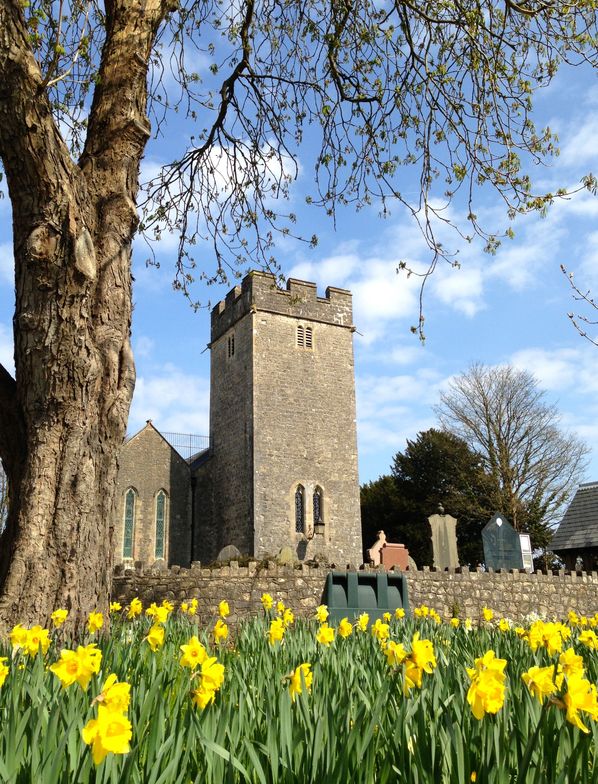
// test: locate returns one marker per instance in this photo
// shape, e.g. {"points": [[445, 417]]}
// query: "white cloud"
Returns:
{"points": [[580, 147], [143, 346], [174, 400], [462, 288], [7, 263]]}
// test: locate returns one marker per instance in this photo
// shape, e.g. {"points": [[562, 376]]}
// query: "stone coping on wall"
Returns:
{"points": [[514, 594], [274, 569]]}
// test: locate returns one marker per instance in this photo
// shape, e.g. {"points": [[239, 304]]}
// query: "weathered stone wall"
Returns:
{"points": [[148, 464], [510, 594], [304, 419], [223, 515]]}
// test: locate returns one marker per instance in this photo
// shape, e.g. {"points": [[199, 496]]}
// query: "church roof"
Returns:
{"points": [[579, 527]]}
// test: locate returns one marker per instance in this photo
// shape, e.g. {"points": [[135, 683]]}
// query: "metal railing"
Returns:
{"points": [[186, 444]]}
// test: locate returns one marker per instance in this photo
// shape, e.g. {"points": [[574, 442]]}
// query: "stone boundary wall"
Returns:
{"points": [[511, 594]]}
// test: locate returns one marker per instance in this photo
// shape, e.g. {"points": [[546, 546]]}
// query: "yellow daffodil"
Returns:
{"points": [[202, 697], [302, 676], [192, 607], [95, 621], [422, 654], [387, 617], [155, 637], [570, 663], [395, 653], [37, 639], [488, 614], [276, 632], [111, 732], [581, 696], [504, 625], [212, 674], [184, 607], [168, 606], [194, 653], [220, 631], [4, 670], [223, 609], [158, 613], [573, 618], [540, 682], [467, 625], [399, 613], [322, 613], [589, 639], [454, 622], [381, 631], [486, 693], [363, 621], [115, 607], [77, 666], [135, 608], [288, 618], [345, 628], [547, 635], [325, 635], [267, 601], [18, 637], [280, 607], [58, 617], [115, 695]]}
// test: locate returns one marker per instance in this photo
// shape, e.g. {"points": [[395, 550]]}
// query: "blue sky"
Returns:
{"points": [[508, 308]]}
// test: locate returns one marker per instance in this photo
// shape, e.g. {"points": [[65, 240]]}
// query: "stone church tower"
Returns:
{"points": [[283, 465], [281, 468]]}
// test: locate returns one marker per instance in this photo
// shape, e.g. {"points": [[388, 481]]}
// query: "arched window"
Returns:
{"points": [[317, 504], [129, 526], [160, 524], [300, 509]]}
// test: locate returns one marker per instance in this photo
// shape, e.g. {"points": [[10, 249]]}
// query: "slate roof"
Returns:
{"points": [[579, 527]]}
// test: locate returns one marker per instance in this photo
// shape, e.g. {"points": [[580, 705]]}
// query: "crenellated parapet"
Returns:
{"points": [[259, 293]]}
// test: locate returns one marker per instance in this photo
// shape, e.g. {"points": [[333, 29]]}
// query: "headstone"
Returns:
{"points": [[444, 541], [286, 556], [228, 553], [526, 552], [502, 546], [395, 555]]}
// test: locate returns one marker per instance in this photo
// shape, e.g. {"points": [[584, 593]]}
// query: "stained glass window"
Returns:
{"points": [[299, 510], [129, 523], [317, 499], [160, 523]]}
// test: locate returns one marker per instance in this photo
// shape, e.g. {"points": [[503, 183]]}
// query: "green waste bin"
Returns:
{"points": [[348, 594]]}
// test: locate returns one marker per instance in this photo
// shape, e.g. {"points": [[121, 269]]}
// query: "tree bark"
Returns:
{"points": [[63, 418]]}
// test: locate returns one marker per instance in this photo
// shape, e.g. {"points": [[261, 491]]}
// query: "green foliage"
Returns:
{"points": [[356, 724], [436, 468]]}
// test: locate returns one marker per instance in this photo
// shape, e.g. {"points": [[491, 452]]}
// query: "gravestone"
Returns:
{"points": [[444, 540], [228, 553], [502, 546]]}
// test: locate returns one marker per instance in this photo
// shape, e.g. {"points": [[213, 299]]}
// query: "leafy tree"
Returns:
{"points": [[443, 88], [534, 466], [436, 468]]}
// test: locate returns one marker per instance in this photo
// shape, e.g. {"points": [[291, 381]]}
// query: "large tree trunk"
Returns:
{"points": [[63, 419]]}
